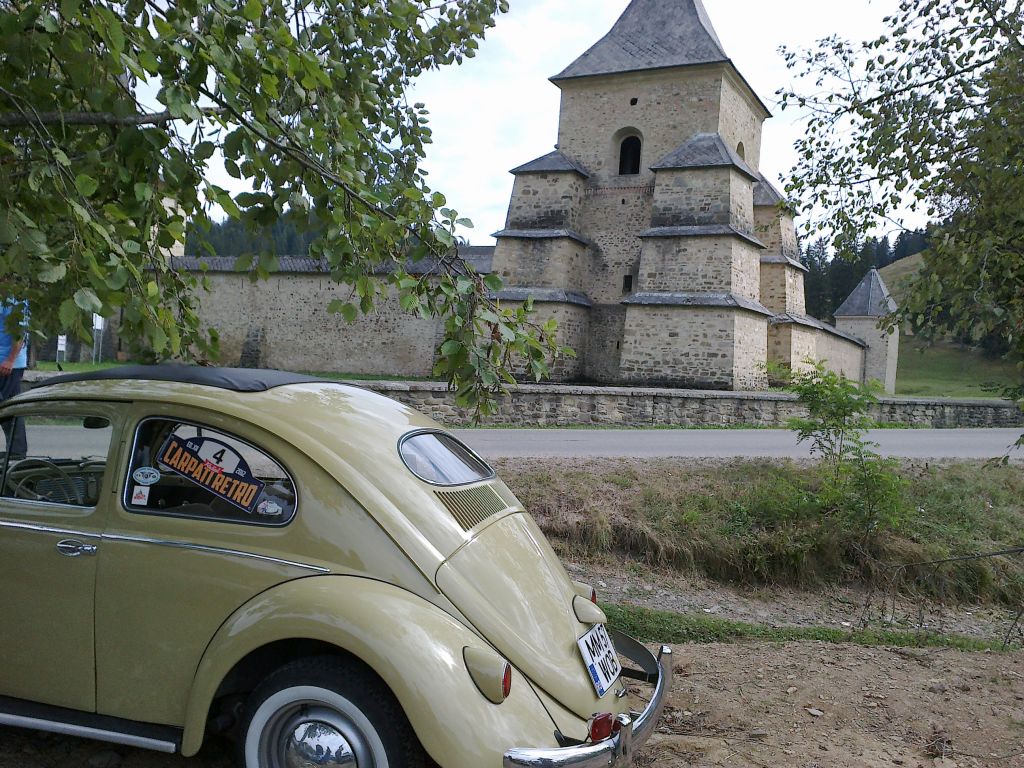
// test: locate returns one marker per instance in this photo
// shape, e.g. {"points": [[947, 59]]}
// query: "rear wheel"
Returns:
{"points": [[325, 711]]}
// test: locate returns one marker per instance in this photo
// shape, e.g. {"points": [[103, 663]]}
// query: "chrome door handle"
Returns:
{"points": [[74, 548]]}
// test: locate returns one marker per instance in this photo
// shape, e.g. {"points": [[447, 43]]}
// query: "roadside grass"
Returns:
{"points": [[764, 523], [652, 626], [947, 369]]}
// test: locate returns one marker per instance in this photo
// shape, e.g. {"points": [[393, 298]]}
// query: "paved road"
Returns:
{"points": [[778, 443], [639, 443]]}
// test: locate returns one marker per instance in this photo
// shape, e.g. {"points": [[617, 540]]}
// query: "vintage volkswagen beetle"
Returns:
{"points": [[315, 568]]}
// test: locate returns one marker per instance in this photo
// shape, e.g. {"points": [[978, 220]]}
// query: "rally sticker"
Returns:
{"points": [[215, 466], [146, 475], [140, 496]]}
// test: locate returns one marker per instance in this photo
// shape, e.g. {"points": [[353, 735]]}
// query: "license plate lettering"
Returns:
{"points": [[600, 658]]}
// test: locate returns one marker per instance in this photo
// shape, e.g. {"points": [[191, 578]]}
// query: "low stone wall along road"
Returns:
{"points": [[729, 443]]}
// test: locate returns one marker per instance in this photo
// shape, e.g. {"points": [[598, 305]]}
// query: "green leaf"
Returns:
{"points": [[253, 10], [493, 282], [53, 273], [87, 300], [86, 185], [68, 314]]}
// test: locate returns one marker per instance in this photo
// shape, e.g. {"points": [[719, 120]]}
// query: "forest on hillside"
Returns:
{"points": [[830, 278]]}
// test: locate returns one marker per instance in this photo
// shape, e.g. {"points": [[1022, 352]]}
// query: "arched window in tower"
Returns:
{"points": [[741, 151], [629, 156]]}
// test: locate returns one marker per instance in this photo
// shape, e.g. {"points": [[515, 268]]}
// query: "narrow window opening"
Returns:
{"points": [[629, 156], [627, 284], [741, 151], [633, 101]]}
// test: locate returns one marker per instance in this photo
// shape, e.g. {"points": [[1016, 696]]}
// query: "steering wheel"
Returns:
{"points": [[19, 475]]}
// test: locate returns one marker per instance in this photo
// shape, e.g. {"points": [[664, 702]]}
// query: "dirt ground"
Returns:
{"points": [[759, 704], [752, 705]]}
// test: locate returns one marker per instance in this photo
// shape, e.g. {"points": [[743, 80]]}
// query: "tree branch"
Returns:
{"points": [[20, 120]]}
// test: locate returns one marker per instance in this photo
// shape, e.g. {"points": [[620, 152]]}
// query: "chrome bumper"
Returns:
{"points": [[633, 732]]}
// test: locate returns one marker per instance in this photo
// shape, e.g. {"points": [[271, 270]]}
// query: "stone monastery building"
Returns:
{"points": [[649, 233]]}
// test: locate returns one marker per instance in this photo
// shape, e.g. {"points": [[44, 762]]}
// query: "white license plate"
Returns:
{"points": [[599, 656]]}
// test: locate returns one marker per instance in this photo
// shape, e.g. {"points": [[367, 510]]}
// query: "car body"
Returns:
{"points": [[319, 569]]}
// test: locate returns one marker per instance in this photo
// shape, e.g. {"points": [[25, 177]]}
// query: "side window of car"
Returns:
{"points": [[57, 458], [189, 470]]}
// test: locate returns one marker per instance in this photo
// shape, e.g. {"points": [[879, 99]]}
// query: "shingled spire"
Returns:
{"points": [[651, 34]]}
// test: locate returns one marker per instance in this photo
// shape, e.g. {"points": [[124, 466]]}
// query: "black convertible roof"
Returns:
{"points": [[234, 379]]}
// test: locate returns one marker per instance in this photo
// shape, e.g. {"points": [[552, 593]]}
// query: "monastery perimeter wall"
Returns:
{"points": [[531, 405]]}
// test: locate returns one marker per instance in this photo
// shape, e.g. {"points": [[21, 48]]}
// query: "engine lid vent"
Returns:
{"points": [[471, 506]]}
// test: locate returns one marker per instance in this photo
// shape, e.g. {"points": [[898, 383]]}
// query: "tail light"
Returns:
{"points": [[491, 674], [603, 726], [593, 596]]}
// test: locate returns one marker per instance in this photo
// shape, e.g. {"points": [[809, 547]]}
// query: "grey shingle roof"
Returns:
{"points": [[697, 300], [651, 34], [704, 150], [869, 299], [553, 162], [702, 230], [813, 322], [477, 256], [765, 192], [779, 258], [554, 295], [541, 234]]}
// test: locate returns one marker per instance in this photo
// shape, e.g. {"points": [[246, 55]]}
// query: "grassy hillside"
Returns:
{"points": [[945, 369], [898, 274]]}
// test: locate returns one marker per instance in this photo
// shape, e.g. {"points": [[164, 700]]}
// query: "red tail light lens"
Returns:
{"points": [[593, 595], [506, 681], [602, 726]]}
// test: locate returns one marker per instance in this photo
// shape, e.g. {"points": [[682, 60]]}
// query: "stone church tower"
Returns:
{"points": [[649, 232]]}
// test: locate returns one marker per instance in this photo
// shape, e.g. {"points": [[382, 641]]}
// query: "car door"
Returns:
{"points": [[203, 507], [53, 507]]}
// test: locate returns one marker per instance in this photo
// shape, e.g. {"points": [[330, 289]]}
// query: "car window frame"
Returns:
{"points": [[126, 475], [435, 431], [106, 409]]}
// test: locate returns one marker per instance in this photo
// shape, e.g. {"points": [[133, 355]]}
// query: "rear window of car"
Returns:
{"points": [[440, 459], [183, 469]]}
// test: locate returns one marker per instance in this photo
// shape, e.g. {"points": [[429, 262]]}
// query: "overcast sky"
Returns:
{"points": [[498, 110]]}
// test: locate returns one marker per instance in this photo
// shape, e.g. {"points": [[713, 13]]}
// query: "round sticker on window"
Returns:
{"points": [[146, 475]]}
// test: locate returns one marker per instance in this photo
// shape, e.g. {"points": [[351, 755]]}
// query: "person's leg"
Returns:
{"points": [[14, 430]]}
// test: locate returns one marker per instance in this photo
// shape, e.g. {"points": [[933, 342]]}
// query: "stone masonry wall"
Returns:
{"points": [[612, 218], [671, 107], [557, 262], [792, 345], [882, 354], [782, 288], [545, 201], [700, 264], [740, 121], [283, 322], [741, 197], [684, 197], [691, 346], [746, 269], [751, 334], [531, 405], [604, 342], [840, 355]]}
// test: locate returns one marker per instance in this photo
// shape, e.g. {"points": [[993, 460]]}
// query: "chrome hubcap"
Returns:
{"points": [[305, 736]]}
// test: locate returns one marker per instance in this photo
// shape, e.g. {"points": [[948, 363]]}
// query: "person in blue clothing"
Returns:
{"points": [[13, 359]]}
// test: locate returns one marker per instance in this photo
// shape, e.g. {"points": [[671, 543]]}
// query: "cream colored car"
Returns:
{"points": [[320, 572]]}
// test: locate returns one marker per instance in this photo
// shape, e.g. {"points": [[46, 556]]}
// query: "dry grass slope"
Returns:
{"points": [[753, 522]]}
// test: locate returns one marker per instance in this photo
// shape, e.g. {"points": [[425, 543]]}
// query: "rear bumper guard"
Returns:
{"points": [[634, 730]]}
